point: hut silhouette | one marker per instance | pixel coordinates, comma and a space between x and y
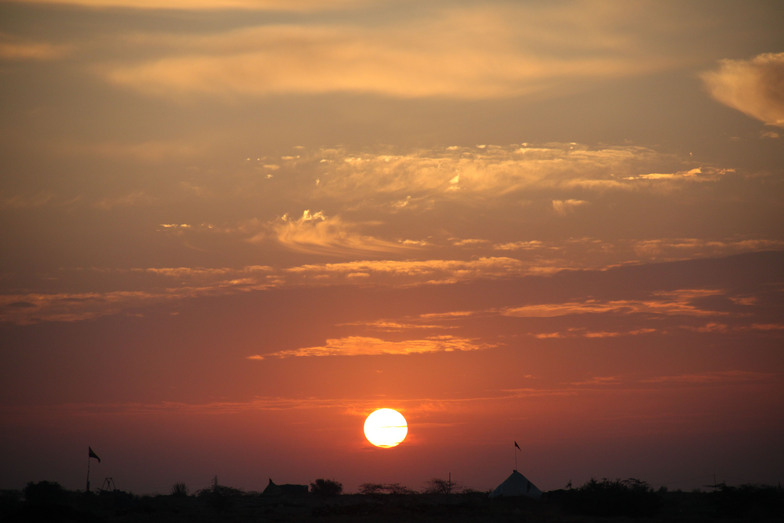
285, 490
516, 485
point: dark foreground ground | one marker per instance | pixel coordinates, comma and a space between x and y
48, 502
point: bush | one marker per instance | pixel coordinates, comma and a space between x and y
629, 497
440, 486
326, 487
748, 500
179, 490
45, 493
384, 488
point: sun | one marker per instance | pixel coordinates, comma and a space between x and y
386, 428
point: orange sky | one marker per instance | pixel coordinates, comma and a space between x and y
231, 230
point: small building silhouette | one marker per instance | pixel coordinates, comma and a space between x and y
516, 485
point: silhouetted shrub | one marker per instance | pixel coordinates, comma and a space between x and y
371, 488
630, 497
326, 487
45, 493
384, 488
749, 500
179, 490
219, 497
440, 486
9, 500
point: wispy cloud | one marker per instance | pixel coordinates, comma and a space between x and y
708, 378
13, 48
161, 285
575, 332
661, 303
598, 381
317, 233
414, 271
143, 151
397, 60
564, 207
210, 5
751, 86
366, 346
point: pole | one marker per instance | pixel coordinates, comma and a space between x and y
88, 474
515, 451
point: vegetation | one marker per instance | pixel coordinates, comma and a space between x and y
440, 486
179, 490
326, 487
384, 488
616, 501
629, 497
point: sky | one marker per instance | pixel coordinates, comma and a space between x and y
232, 229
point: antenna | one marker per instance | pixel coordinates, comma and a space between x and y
108, 484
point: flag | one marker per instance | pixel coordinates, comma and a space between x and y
516, 445
91, 454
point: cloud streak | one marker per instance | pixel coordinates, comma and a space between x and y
396, 60
678, 303
367, 346
317, 233
17, 50
208, 5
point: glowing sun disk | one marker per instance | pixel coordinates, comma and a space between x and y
386, 428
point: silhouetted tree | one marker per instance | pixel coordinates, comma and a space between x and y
371, 488
397, 488
440, 486
326, 487
179, 490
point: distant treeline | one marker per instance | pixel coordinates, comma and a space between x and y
323, 500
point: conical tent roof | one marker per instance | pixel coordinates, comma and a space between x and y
516, 485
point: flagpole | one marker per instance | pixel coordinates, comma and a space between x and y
515, 452
88, 473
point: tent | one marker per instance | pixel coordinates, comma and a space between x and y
516, 485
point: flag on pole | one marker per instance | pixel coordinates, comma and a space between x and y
91, 454
516, 445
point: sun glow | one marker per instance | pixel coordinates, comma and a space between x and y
386, 428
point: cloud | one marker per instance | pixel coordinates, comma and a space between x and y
413, 272
583, 333
669, 303
146, 152
365, 346
708, 378
134, 199
768, 326
211, 5
458, 52
696, 174
162, 284
316, 233
682, 248
395, 326
600, 381
13, 48
755, 87
564, 207
417, 177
